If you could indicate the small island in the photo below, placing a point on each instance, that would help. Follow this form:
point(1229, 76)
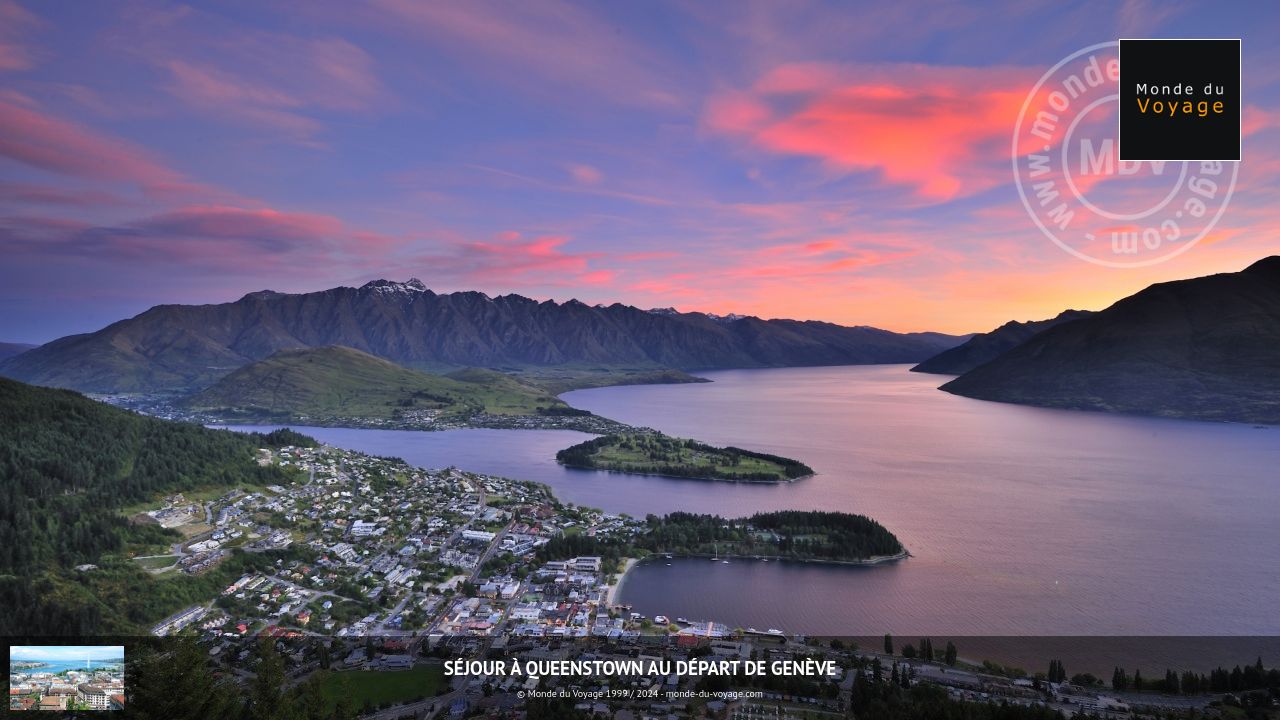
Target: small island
point(657, 454)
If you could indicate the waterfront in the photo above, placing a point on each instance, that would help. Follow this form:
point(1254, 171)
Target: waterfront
point(1020, 520)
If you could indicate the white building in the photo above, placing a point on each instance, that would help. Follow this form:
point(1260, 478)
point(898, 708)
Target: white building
point(477, 536)
point(94, 696)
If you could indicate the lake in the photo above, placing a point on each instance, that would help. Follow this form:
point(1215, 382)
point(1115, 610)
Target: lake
point(1021, 521)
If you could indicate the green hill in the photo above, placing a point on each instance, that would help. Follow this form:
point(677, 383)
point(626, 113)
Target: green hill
point(341, 382)
point(68, 465)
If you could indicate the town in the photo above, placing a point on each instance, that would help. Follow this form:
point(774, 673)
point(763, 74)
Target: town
point(365, 563)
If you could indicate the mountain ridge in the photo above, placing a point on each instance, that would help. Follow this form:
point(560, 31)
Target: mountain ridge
point(8, 349)
point(185, 347)
point(1204, 348)
point(985, 347)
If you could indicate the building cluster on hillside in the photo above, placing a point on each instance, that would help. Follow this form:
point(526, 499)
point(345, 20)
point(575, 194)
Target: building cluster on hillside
point(363, 545)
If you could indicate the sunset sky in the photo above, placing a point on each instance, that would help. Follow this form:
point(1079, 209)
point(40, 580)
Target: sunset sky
point(783, 159)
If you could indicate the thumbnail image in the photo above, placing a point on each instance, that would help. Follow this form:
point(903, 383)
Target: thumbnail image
point(66, 677)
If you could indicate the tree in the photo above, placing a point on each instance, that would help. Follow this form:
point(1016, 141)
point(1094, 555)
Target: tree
point(1119, 679)
point(951, 653)
point(888, 644)
point(1137, 680)
point(265, 699)
point(171, 680)
point(346, 706)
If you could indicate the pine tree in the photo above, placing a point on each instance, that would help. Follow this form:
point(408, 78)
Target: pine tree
point(888, 644)
point(265, 699)
point(951, 653)
point(171, 680)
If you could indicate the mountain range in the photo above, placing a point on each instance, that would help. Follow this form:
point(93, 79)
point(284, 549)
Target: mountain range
point(985, 347)
point(188, 347)
point(1206, 348)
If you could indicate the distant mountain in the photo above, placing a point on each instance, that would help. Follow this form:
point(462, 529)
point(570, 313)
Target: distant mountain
point(336, 381)
point(8, 350)
point(1205, 348)
point(986, 347)
point(172, 347)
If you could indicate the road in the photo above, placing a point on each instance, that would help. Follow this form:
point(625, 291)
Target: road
point(488, 552)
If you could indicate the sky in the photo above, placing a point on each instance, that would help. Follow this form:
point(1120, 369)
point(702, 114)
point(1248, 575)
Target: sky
point(836, 161)
point(65, 653)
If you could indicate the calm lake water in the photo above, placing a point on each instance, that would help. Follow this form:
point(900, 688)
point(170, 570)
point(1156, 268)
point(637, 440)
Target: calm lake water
point(1021, 521)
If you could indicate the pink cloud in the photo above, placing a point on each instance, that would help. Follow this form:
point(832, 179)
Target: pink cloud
point(233, 222)
point(585, 174)
point(16, 24)
point(941, 131)
point(44, 142)
point(232, 239)
point(512, 261)
point(33, 194)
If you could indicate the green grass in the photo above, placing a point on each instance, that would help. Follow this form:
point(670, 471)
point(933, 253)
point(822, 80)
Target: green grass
point(343, 382)
point(155, 563)
point(563, 378)
point(378, 687)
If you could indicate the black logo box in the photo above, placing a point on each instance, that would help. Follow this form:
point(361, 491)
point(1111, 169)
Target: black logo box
point(1180, 64)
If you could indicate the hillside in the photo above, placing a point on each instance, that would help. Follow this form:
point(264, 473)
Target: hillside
point(185, 347)
point(67, 465)
point(1206, 348)
point(342, 382)
point(656, 454)
point(986, 347)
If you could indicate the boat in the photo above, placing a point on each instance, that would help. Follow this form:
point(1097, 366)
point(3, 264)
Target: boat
point(726, 562)
point(774, 631)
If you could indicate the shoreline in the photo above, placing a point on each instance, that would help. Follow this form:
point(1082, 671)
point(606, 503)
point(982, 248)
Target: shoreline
point(862, 562)
point(631, 563)
point(612, 591)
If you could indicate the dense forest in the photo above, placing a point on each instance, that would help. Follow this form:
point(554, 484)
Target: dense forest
point(793, 534)
point(68, 465)
point(657, 454)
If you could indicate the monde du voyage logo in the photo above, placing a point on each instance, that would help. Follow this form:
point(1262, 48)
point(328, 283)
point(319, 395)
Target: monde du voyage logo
point(1125, 153)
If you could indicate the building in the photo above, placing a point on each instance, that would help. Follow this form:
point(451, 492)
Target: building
point(478, 536)
point(177, 622)
point(94, 696)
point(53, 702)
point(360, 528)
